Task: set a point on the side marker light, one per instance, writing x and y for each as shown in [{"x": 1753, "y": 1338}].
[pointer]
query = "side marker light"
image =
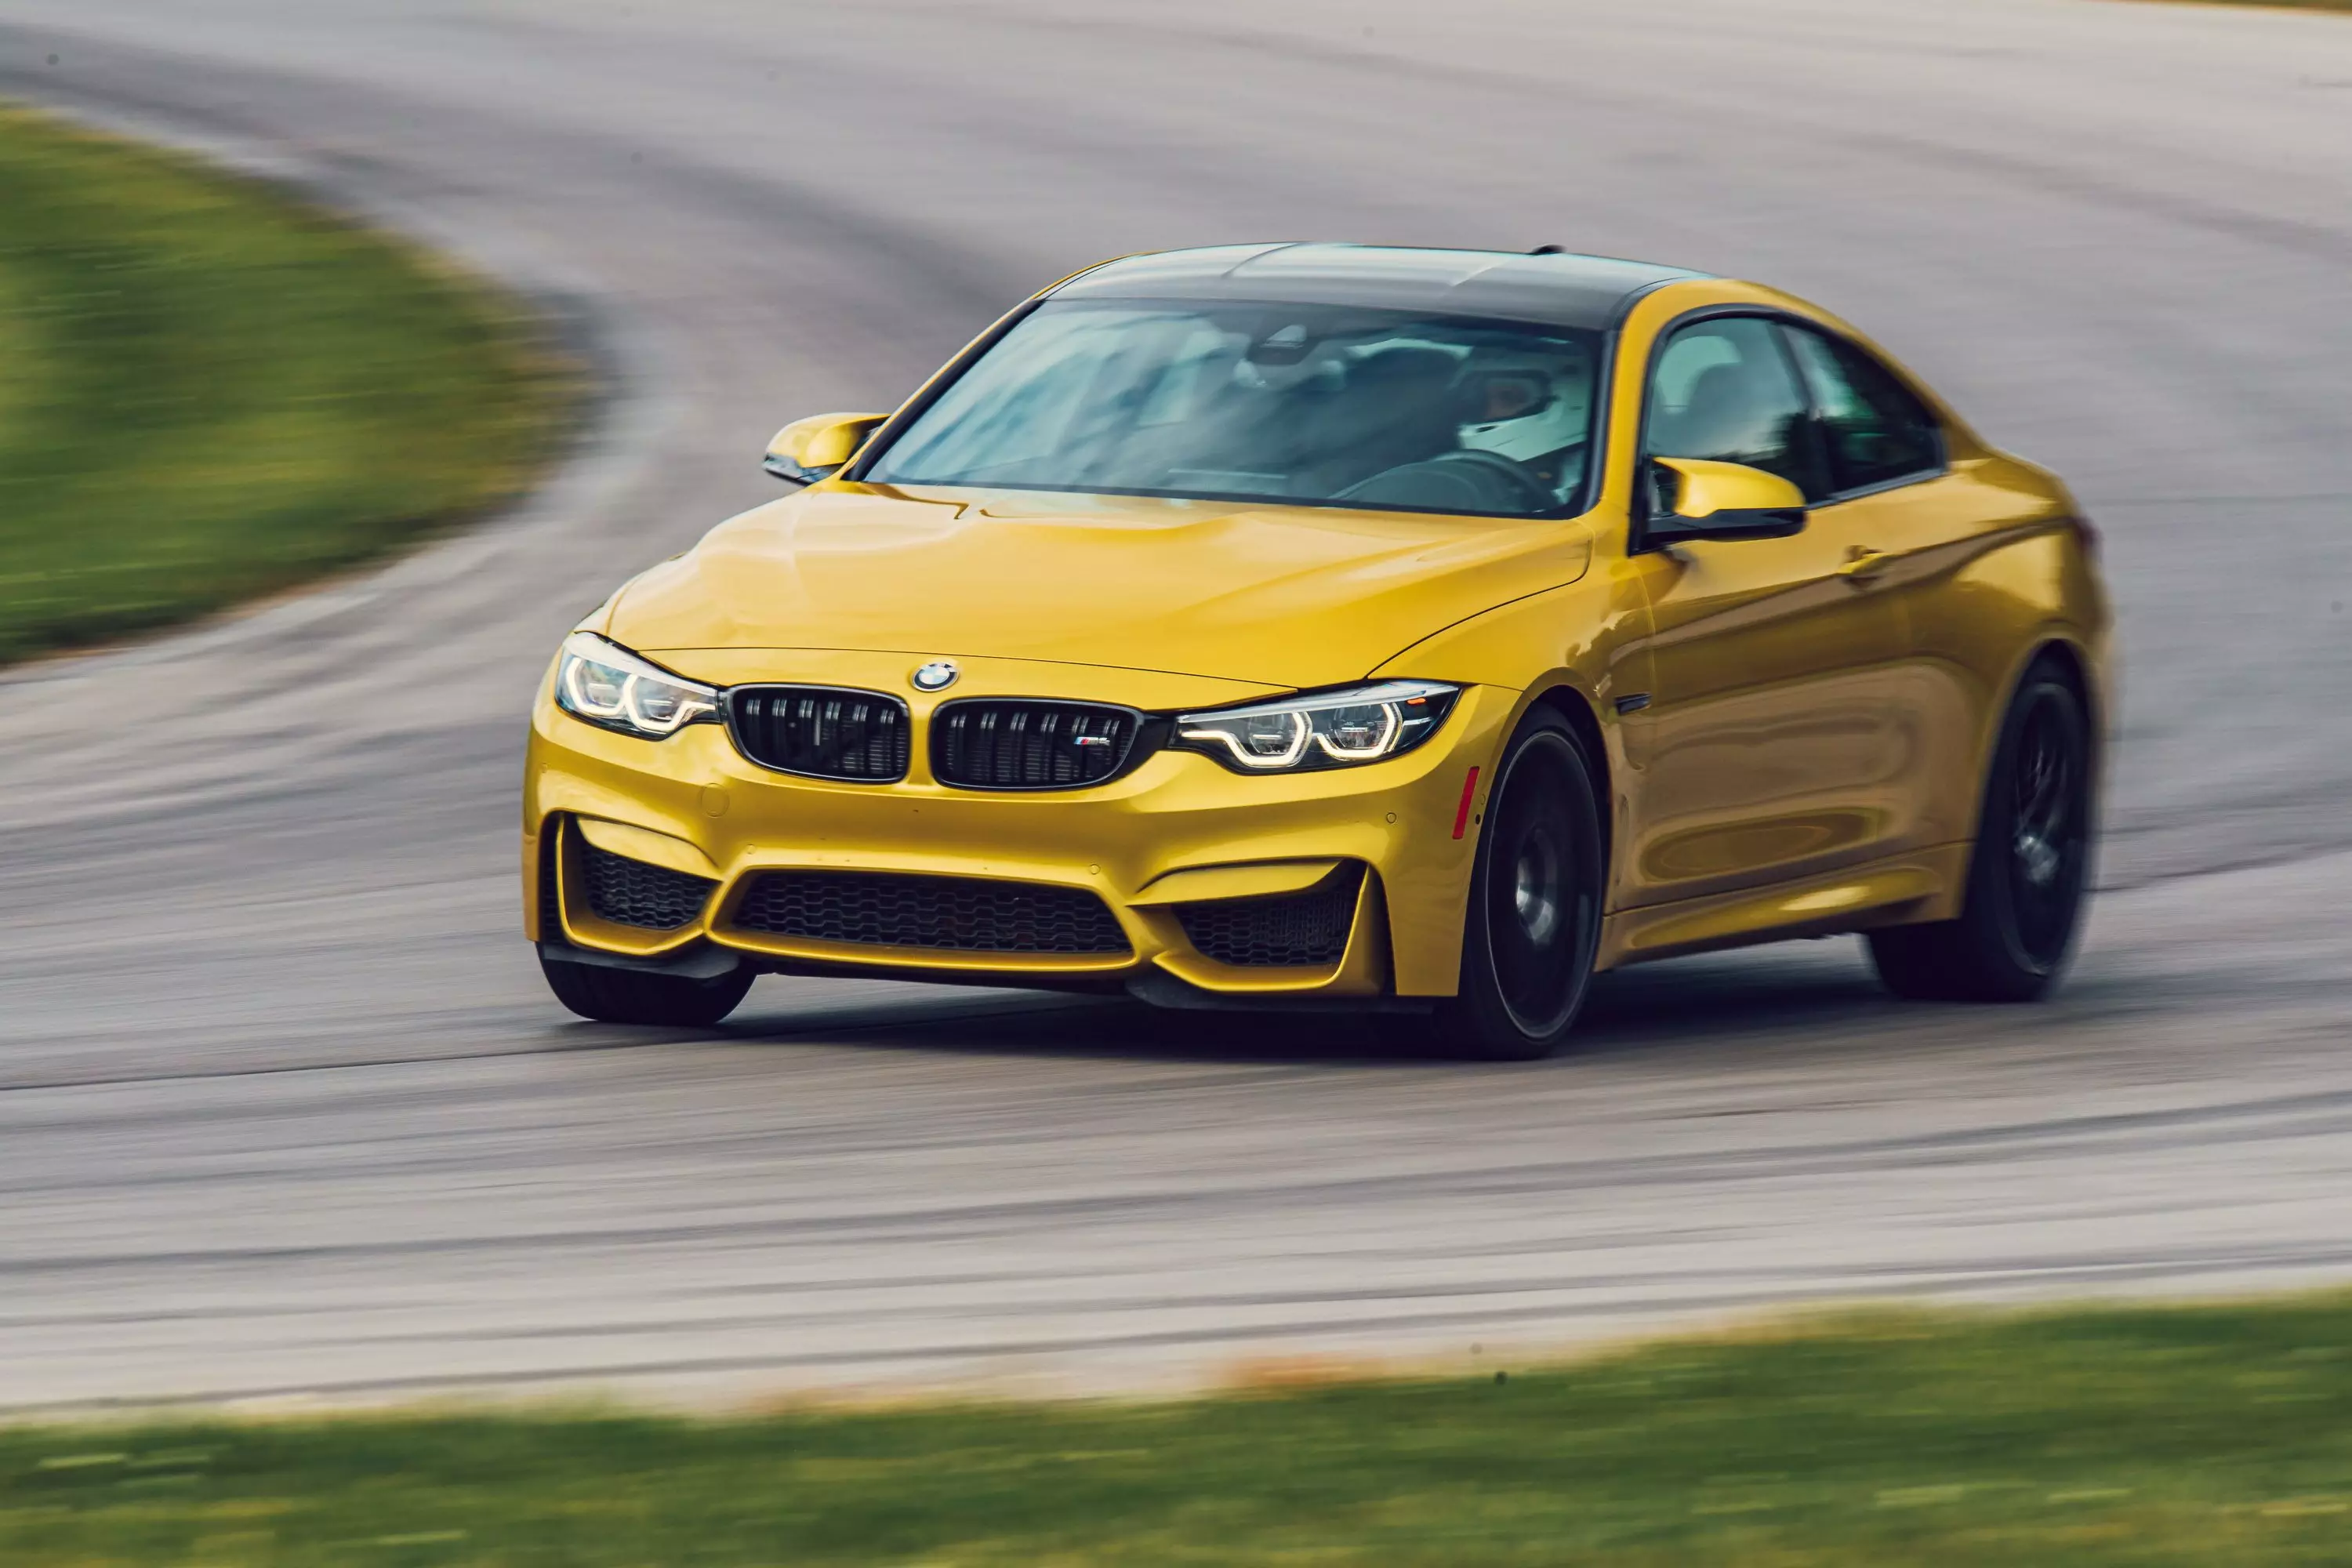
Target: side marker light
[{"x": 1462, "y": 812}]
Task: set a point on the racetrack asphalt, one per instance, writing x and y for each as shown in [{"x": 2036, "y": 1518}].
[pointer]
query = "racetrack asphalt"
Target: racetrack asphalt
[{"x": 286, "y": 1112}]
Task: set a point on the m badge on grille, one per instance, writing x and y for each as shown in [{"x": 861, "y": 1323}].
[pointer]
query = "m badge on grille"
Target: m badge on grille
[{"x": 935, "y": 676}]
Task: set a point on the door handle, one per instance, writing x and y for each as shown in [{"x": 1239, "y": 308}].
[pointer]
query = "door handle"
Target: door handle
[{"x": 1862, "y": 562}]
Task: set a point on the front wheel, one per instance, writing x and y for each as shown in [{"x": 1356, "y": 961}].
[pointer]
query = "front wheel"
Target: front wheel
[
  {"x": 1533, "y": 924},
  {"x": 2028, "y": 872},
  {"x": 627, "y": 997}
]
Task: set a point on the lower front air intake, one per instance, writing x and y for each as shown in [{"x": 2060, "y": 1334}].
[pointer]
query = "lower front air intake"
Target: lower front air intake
[
  {"x": 955, "y": 914},
  {"x": 633, "y": 893},
  {"x": 1306, "y": 930}
]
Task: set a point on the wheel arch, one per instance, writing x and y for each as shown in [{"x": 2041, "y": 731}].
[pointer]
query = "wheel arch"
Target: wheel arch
[
  {"x": 2069, "y": 658},
  {"x": 2057, "y": 648},
  {"x": 1583, "y": 721}
]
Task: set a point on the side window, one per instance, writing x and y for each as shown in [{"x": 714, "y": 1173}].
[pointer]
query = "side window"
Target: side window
[
  {"x": 1875, "y": 429},
  {"x": 1724, "y": 389}
]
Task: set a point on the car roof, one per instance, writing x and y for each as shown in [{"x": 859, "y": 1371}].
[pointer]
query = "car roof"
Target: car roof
[{"x": 1553, "y": 288}]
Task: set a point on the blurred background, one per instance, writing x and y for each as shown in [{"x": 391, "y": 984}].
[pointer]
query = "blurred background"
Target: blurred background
[{"x": 284, "y": 1107}]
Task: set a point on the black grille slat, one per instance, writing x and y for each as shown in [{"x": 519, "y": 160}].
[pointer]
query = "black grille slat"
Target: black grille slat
[
  {"x": 958, "y": 914},
  {"x": 822, "y": 732},
  {"x": 632, "y": 893},
  {"x": 1025, "y": 743},
  {"x": 1307, "y": 928}
]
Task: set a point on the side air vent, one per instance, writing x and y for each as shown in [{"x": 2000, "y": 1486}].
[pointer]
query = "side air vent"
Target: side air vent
[
  {"x": 1307, "y": 928},
  {"x": 822, "y": 732},
  {"x": 958, "y": 914},
  {"x": 1019, "y": 742},
  {"x": 632, "y": 893}
]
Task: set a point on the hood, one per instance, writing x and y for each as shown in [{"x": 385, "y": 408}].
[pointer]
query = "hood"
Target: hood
[{"x": 1291, "y": 597}]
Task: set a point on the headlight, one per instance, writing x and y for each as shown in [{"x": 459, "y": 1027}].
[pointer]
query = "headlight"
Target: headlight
[
  {"x": 1326, "y": 729},
  {"x": 606, "y": 684}
]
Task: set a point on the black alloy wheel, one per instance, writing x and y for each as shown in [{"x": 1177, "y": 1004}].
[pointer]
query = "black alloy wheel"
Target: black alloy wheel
[
  {"x": 1534, "y": 919},
  {"x": 2029, "y": 870}
]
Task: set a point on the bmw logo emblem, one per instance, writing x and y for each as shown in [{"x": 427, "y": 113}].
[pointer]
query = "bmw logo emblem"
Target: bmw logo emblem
[{"x": 935, "y": 676}]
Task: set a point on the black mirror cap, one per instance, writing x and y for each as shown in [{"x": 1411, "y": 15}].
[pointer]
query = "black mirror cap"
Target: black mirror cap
[{"x": 1775, "y": 522}]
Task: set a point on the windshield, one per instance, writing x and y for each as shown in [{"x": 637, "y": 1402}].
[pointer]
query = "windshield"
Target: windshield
[{"x": 1304, "y": 405}]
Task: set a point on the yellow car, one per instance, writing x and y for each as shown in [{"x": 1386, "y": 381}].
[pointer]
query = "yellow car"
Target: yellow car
[{"x": 1330, "y": 626}]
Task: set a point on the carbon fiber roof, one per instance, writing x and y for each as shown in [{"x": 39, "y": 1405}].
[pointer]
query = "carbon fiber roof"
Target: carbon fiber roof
[{"x": 1557, "y": 289}]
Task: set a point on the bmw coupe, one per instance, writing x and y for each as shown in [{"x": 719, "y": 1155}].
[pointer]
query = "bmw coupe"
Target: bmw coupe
[{"x": 1331, "y": 627}]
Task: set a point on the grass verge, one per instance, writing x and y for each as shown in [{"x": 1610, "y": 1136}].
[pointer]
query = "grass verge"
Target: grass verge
[
  {"x": 2203, "y": 1435},
  {"x": 210, "y": 390}
]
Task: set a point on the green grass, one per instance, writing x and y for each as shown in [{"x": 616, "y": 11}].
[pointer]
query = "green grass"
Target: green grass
[
  {"x": 2218, "y": 1435},
  {"x": 211, "y": 391}
]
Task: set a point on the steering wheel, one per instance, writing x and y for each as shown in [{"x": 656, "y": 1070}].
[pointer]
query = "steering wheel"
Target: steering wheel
[{"x": 1468, "y": 481}]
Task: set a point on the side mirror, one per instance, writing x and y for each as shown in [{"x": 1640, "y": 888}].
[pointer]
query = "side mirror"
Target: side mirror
[
  {"x": 1699, "y": 498},
  {"x": 811, "y": 450}
]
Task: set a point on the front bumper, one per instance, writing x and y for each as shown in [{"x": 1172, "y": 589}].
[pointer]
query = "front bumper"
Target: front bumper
[{"x": 1174, "y": 833}]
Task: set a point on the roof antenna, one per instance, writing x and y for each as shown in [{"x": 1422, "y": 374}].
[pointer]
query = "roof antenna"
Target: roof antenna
[{"x": 1549, "y": 250}]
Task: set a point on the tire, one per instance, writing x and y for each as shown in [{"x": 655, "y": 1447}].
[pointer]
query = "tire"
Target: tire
[
  {"x": 2022, "y": 913},
  {"x": 1533, "y": 923},
  {"x": 626, "y": 996}
]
